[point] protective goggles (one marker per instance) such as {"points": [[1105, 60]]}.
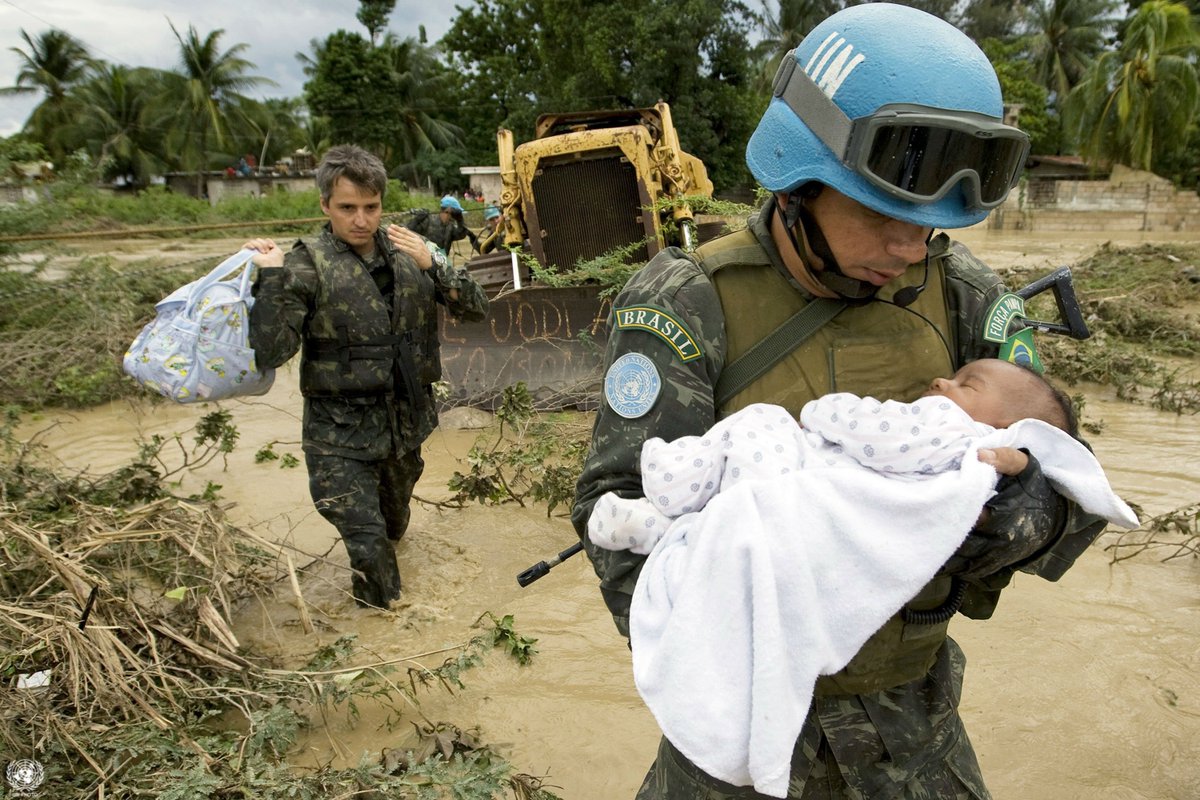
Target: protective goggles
{"points": [[912, 152]]}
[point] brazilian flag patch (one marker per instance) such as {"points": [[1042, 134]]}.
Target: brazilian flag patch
{"points": [[662, 324], [1019, 350]]}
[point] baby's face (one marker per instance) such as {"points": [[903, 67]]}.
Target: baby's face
{"points": [[986, 389]]}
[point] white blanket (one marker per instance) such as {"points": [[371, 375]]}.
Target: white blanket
{"points": [[741, 606]]}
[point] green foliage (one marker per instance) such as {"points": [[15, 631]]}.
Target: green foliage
{"points": [[443, 167], [75, 208], [52, 64], [1139, 103], [427, 110], [160, 460], [989, 19], [1175, 534], [536, 458], [610, 270], [385, 98], [211, 87], [1064, 38], [1018, 85], [19, 149], [122, 129], [373, 14], [625, 54], [267, 453], [783, 29], [519, 647]]}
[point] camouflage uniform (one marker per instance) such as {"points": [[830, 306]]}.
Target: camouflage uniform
{"points": [[370, 355], [903, 740], [430, 225]]}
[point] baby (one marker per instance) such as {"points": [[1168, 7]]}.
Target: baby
{"points": [[908, 441]]}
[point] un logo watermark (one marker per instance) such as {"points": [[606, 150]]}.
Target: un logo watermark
{"points": [[24, 776]]}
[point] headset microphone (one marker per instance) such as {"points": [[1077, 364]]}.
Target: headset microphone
{"points": [[908, 295]]}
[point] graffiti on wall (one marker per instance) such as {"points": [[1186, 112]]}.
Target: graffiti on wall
{"points": [[551, 338]]}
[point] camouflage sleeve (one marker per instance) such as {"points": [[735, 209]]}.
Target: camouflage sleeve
{"points": [[1030, 526], [418, 222], [282, 298], [471, 304], [668, 313], [971, 288]]}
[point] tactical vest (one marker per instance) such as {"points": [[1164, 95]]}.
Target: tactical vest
{"points": [[353, 343], [876, 349]]}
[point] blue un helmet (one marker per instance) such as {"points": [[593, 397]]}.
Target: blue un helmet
{"points": [[490, 213], [451, 202], [896, 109]]}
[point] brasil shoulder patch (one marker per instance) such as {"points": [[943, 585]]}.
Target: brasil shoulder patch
{"points": [[1000, 315], [661, 323]]}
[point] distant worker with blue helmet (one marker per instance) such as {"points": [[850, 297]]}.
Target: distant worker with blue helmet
{"points": [[445, 228], [492, 233], [885, 125]]}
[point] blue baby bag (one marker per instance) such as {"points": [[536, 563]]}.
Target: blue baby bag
{"points": [[197, 347]]}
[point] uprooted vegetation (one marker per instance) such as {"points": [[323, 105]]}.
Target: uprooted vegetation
{"points": [[62, 339], [124, 677], [1142, 305], [1169, 536]]}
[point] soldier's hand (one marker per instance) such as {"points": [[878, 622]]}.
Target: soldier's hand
{"points": [[411, 244], [269, 253]]}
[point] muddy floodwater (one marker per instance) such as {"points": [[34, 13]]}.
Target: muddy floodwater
{"points": [[1086, 688]]}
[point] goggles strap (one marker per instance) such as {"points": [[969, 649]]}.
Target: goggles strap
{"points": [[810, 104]]}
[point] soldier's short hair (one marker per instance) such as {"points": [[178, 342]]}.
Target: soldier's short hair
{"points": [[356, 165]]}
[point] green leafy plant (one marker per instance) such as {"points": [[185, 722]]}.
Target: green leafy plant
{"points": [[531, 457], [267, 453], [519, 647]]}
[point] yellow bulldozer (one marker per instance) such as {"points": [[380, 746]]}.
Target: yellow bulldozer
{"points": [[587, 184]]}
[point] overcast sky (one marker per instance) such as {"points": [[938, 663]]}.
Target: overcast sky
{"points": [[137, 33]]}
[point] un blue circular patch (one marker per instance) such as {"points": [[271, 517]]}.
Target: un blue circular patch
{"points": [[632, 385]]}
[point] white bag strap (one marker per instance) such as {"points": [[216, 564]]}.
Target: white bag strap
{"points": [[240, 259]]}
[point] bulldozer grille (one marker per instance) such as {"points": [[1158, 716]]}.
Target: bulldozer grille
{"points": [[586, 224]]}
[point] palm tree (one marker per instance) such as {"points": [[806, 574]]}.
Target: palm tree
{"points": [[125, 118], [277, 129], [55, 62], [418, 84], [785, 29], [1065, 37], [373, 14], [211, 84], [1135, 104]]}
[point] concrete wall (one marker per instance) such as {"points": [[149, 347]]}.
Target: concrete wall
{"points": [[1127, 201], [255, 186], [220, 187], [15, 195], [485, 180]]}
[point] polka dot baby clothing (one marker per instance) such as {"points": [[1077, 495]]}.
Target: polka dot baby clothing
{"points": [[763, 442]]}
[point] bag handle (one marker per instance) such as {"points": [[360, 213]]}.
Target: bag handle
{"points": [[242, 259]]}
